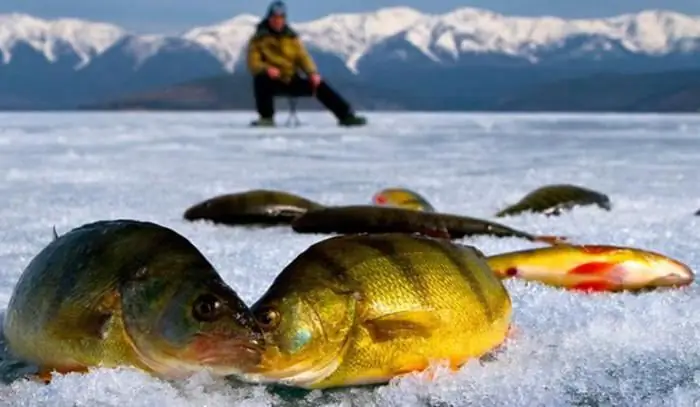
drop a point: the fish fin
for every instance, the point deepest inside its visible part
(610, 277)
(438, 233)
(492, 355)
(46, 375)
(551, 239)
(43, 376)
(404, 323)
(488, 357)
(556, 211)
(597, 249)
(594, 286)
(55, 234)
(594, 267)
(417, 364)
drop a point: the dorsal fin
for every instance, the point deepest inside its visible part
(55, 234)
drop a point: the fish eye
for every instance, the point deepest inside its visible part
(268, 318)
(207, 308)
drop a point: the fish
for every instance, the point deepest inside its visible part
(363, 309)
(593, 268)
(257, 207)
(384, 219)
(402, 198)
(552, 200)
(125, 292)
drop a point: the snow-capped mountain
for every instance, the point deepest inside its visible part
(470, 30)
(389, 44)
(53, 38)
(351, 35)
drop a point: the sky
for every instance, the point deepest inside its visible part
(173, 16)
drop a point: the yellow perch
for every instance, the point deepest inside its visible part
(362, 309)
(593, 268)
(402, 198)
(128, 293)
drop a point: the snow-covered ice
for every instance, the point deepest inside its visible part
(624, 350)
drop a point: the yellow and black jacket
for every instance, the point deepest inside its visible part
(283, 50)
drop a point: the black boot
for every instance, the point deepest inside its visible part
(351, 120)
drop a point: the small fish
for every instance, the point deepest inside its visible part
(552, 200)
(261, 207)
(593, 268)
(402, 198)
(128, 293)
(362, 309)
(384, 219)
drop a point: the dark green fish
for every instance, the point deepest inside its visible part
(260, 207)
(381, 219)
(128, 293)
(552, 200)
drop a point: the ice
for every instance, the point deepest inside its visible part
(623, 350)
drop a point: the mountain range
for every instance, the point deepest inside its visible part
(393, 57)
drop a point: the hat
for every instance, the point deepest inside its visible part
(277, 8)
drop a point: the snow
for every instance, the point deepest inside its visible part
(475, 30)
(572, 349)
(351, 36)
(85, 38)
(225, 40)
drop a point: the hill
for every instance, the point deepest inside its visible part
(672, 91)
(235, 92)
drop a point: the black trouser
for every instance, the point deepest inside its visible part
(266, 88)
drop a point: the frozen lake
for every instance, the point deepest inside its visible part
(574, 349)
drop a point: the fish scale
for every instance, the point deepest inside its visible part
(402, 198)
(556, 197)
(124, 293)
(417, 299)
(593, 267)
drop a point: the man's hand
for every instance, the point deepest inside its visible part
(315, 80)
(273, 72)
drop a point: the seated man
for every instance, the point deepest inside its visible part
(275, 54)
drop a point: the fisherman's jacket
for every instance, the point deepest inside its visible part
(282, 50)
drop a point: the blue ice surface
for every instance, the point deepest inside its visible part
(572, 349)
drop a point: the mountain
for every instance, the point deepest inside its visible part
(466, 59)
(669, 91)
(672, 91)
(235, 92)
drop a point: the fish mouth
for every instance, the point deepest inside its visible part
(677, 274)
(193, 213)
(379, 199)
(673, 280)
(228, 356)
(302, 373)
